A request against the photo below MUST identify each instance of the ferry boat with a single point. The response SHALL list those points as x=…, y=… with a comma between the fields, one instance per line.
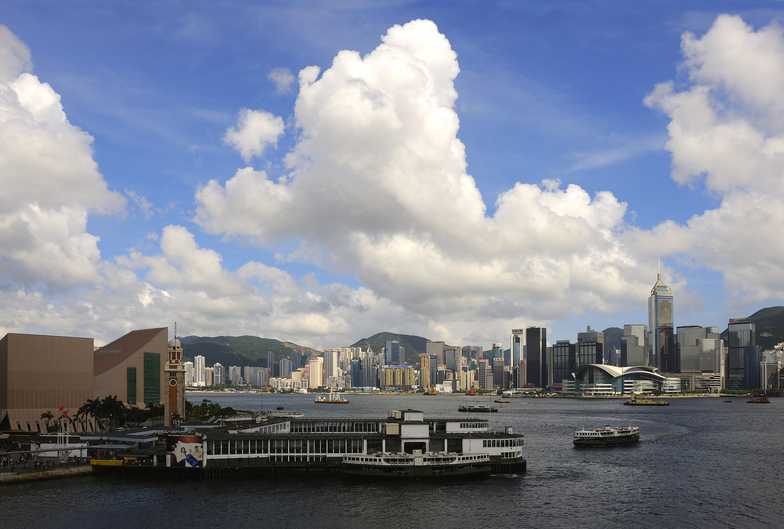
x=502, y=401
x=417, y=465
x=480, y=408
x=265, y=446
x=334, y=398
x=759, y=400
x=607, y=436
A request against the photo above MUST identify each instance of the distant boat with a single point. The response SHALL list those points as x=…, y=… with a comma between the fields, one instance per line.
x=481, y=408
x=279, y=408
x=334, y=398
x=727, y=401
x=607, y=436
x=758, y=400
x=503, y=401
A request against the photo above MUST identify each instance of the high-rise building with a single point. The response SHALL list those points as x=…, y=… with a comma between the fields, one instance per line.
x=220, y=373
x=483, y=370
x=536, y=356
x=355, y=369
x=696, y=348
x=564, y=361
x=590, y=347
x=498, y=374
x=436, y=348
x=296, y=360
x=741, y=334
x=316, y=375
x=633, y=346
x=663, y=353
x=271, y=363
x=198, y=370
x=453, y=357
x=424, y=370
x=516, y=346
x=394, y=353
x=285, y=368
x=330, y=363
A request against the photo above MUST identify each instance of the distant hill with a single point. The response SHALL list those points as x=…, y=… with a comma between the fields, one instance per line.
x=769, y=325
x=238, y=350
x=414, y=345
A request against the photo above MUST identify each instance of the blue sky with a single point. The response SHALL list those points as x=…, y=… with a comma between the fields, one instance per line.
x=321, y=171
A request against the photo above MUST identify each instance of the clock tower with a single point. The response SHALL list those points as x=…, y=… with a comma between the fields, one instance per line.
x=174, y=373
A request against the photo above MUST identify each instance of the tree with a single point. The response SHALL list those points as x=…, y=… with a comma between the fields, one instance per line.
x=113, y=409
x=47, y=416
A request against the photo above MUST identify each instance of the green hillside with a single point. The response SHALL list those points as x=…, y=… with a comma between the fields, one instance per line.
x=769, y=324
x=238, y=350
x=414, y=345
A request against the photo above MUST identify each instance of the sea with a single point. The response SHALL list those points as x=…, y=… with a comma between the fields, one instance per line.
x=701, y=463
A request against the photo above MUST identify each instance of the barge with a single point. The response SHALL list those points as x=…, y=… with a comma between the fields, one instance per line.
x=290, y=445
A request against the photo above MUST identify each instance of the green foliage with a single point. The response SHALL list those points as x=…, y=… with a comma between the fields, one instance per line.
x=205, y=410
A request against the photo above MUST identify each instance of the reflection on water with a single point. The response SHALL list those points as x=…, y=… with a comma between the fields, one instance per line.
x=699, y=463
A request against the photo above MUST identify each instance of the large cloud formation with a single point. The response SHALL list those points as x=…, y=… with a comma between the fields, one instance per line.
x=378, y=187
x=727, y=131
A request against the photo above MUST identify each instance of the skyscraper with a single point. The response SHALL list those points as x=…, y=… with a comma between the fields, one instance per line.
x=271, y=363
x=741, y=334
x=516, y=346
x=536, y=356
x=564, y=361
x=433, y=347
x=424, y=370
x=393, y=353
x=198, y=370
x=663, y=354
x=633, y=350
x=590, y=347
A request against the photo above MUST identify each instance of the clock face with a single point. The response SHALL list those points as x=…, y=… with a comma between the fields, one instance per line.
x=173, y=382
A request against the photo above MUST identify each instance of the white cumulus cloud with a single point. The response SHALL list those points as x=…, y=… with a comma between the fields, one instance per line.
x=255, y=131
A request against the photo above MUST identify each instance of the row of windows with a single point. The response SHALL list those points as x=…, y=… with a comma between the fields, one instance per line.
x=285, y=446
x=334, y=426
x=501, y=443
x=473, y=425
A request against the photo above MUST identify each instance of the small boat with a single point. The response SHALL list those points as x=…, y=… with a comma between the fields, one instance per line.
x=418, y=465
x=758, y=400
x=503, y=401
x=727, y=401
x=334, y=398
x=607, y=436
x=279, y=408
x=481, y=408
x=206, y=400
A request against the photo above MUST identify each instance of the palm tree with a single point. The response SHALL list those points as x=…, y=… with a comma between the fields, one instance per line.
x=113, y=409
x=90, y=409
x=47, y=416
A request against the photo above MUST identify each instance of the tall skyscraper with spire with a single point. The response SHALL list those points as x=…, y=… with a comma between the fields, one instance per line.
x=662, y=353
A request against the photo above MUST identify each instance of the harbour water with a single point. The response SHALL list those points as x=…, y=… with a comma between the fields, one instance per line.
x=700, y=462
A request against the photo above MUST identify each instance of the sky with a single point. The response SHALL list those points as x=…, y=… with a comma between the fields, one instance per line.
x=320, y=171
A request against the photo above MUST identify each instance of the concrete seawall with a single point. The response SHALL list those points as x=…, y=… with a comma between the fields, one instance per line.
x=17, y=477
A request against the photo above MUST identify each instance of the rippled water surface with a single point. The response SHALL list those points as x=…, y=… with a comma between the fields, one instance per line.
x=700, y=463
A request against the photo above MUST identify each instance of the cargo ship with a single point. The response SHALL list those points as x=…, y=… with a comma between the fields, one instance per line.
x=334, y=398
x=275, y=446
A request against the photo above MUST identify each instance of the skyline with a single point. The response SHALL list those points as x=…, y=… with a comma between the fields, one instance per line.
x=321, y=172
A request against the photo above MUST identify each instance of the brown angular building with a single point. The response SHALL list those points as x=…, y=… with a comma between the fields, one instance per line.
x=42, y=373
